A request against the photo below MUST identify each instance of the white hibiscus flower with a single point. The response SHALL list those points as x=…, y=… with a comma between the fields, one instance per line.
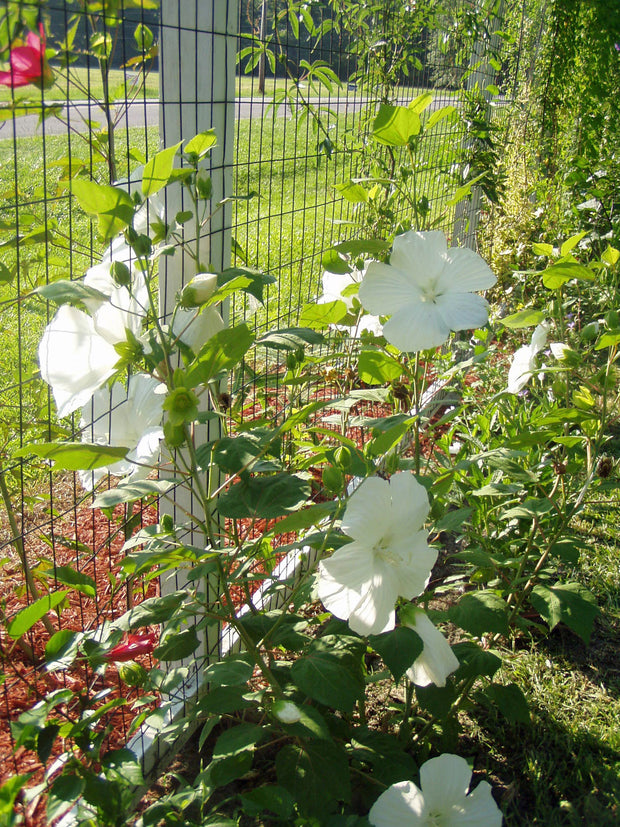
x=523, y=364
x=436, y=660
x=130, y=418
x=76, y=352
x=388, y=558
x=427, y=290
x=442, y=802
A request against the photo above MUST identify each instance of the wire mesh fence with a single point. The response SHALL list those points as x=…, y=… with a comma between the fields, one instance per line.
x=112, y=88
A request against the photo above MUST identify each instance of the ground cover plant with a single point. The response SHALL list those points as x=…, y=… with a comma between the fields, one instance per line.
x=447, y=602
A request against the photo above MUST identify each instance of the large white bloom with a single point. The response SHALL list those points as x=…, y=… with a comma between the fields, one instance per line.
x=388, y=558
x=76, y=352
x=131, y=418
x=336, y=287
x=442, y=802
x=436, y=660
x=427, y=290
x=523, y=363
x=195, y=327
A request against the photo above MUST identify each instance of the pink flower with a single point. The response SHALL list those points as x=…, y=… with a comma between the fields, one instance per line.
x=140, y=643
x=28, y=63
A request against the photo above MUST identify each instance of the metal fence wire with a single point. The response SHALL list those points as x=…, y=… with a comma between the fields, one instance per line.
x=120, y=86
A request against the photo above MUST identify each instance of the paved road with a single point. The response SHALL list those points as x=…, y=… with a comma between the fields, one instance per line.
x=75, y=116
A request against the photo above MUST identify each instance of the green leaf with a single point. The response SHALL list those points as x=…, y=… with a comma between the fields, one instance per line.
x=569, y=603
x=75, y=456
x=255, y=281
x=178, y=646
x=398, y=649
x=510, y=701
x=200, y=144
x=238, y=738
x=474, y=660
x=264, y=497
x=26, y=618
x=608, y=340
x=571, y=243
x=124, y=764
x=315, y=774
x=224, y=770
x=377, y=368
x=150, y=611
x=291, y=338
x=221, y=352
x=306, y=518
x=438, y=115
x=61, y=649
x=311, y=724
x=65, y=291
x=8, y=796
x=395, y=125
x=542, y=249
x=360, y=247
x=65, y=790
x=481, y=612
x=158, y=169
x=385, y=754
x=610, y=256
x=333, y=262
x=231, y=671
x=331, y=676
x=81, y=582
x=524, y=318
x=453, y=520
x=355, y=193
x=131, y=491
x=556, y=275
x=437, y=700
x=268, y=797
x=113, y=206
x=225, y=700
x=322, y=315
x=421, y=103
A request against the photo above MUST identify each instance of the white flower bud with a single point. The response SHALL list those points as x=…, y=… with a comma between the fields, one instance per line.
x=286, y=712
x=199, y=290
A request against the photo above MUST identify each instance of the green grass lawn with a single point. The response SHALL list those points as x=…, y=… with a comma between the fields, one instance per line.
x=83, y=83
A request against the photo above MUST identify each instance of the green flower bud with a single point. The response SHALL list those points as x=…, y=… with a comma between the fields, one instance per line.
x=182, y=406
x=121, y=273
x=132, y=673
x=333, y=479
x=342, y=457
x=199, y=290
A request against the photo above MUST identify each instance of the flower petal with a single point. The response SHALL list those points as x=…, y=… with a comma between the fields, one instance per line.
x=375, y=613
x=400, y=804
x=74, y=359
x=445, y=781
x=539, y=336
x=465, y=272
x=342, y=577
x=421, y=255
x=409, y=506
x=463, y=311
x=367, y=515
x=437, y=660
x=418, y=559
x=416, y=327
x=195, y=329
x=520, y=369
x=385, y=289
x=480, y=809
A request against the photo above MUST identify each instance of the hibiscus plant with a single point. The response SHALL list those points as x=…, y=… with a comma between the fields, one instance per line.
x=329, y=598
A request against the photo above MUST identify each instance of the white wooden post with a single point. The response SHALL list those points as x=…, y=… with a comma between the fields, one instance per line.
x=198, y=46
